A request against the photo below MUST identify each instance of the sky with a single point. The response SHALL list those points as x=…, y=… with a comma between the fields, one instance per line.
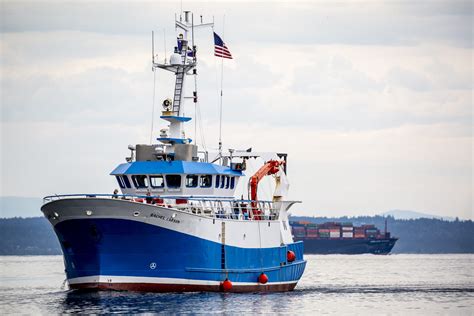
x=371, y=100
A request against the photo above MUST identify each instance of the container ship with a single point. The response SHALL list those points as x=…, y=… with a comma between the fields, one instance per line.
x=342, y=238
x=176, y=225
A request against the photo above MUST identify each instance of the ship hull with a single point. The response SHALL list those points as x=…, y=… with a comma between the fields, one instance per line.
x=123, y=245
x=172, y=285
x=352, y=246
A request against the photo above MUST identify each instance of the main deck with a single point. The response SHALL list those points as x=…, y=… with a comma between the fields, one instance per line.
x=213, y=207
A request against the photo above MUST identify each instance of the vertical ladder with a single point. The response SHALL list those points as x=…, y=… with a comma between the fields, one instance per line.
x=178, y=90
x=180, y=73
x=223, y=245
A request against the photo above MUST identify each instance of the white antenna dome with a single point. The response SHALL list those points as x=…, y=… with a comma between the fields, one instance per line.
x=175, y=59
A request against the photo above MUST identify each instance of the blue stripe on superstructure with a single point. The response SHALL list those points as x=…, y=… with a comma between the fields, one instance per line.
x=126, y=248
x=174, y=140
x=173, y=167
x=175, y=118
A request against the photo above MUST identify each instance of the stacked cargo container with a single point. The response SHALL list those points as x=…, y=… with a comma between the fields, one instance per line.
x=334, y=230
x=359, y=232
x=347, y=230
x=323, y=233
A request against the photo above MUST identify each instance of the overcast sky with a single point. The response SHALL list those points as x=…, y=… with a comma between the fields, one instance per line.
x=372, y=101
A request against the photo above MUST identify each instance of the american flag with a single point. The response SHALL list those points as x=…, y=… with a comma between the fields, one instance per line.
x=220, y=50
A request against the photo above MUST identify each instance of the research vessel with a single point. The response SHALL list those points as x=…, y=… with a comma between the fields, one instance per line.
x=342, y=238
x=176, y=225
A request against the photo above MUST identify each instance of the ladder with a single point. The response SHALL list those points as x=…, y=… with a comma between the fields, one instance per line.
x=223, y=245
x=178, y=90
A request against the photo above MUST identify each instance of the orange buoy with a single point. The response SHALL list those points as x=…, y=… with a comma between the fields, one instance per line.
x=227, y=285
x=290, y=256
x=262, y=278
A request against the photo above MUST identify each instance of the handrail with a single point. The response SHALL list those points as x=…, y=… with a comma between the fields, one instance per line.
x=187, y=197
x=217, y=207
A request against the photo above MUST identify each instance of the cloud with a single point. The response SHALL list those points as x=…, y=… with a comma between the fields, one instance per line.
x=373, y=102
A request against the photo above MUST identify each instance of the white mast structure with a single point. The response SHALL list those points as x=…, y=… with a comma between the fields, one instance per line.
x=180, y=64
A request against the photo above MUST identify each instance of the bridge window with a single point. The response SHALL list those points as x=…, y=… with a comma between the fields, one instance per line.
x=232, y=182
x=126, y=181
x=120, y=182
x=222, y=182
x=157, y=182
x=192, y=180
x=205, y=181
x=227, y=182
x=173, y=181
x=217, y=181
x=140, y=181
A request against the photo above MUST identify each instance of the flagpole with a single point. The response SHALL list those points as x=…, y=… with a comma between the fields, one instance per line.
x=222, y=84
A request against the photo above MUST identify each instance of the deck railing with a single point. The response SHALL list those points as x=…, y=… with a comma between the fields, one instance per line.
x=217, y=207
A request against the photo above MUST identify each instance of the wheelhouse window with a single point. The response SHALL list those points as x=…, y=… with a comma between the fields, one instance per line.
x=140, y=181
x=120, y=182
x=222, y=181
x=227, y=182
x=205, y=181
x=157, y=182
x=232, y=182
x=173, y=181
x=217, y=181
x=126, y=181
x=192, y=180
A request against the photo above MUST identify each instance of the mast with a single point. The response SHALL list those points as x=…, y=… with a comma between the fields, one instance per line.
x=182, y=63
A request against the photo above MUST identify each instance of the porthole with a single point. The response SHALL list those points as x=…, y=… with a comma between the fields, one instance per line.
x=136, y=213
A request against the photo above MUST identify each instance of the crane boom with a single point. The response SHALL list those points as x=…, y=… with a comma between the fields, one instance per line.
x=269, y=168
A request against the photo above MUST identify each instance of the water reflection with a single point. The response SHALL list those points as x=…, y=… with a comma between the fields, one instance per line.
x=298, y=300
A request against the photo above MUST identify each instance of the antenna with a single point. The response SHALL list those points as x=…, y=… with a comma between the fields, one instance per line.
x=220, y=105
x=192, y=29
x=164, y=42
x=153, y=47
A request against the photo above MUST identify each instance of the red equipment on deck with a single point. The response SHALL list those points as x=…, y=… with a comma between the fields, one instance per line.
x=269, y=168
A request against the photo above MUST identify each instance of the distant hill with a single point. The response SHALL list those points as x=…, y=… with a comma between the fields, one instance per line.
x=405, y=214
x=27, y=236
x=35, y=236
x=13, y=206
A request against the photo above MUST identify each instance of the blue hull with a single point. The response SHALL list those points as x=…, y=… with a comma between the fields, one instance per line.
x=126, y=248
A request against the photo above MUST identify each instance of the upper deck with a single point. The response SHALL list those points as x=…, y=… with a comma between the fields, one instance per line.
x=176, y=177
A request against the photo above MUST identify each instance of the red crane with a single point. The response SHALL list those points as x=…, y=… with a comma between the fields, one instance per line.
x=269, y=168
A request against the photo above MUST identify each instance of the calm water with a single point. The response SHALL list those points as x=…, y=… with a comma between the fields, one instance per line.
x=395, y=284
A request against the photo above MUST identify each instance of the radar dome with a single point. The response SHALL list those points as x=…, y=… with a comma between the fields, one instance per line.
x=175, y=59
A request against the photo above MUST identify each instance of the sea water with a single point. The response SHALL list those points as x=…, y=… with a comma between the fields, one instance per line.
x=332, y=284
